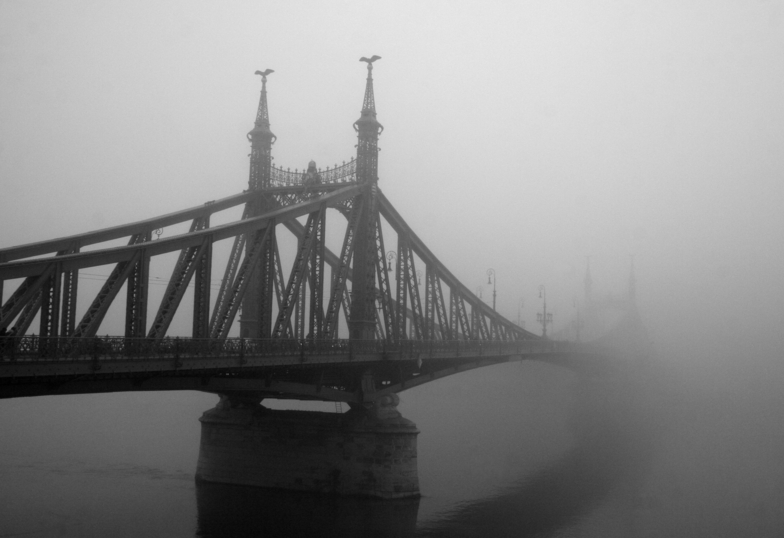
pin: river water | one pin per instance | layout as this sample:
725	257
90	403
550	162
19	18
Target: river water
671	447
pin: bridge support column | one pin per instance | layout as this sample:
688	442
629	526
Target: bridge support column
368	451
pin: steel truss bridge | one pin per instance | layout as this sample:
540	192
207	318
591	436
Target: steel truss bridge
289	345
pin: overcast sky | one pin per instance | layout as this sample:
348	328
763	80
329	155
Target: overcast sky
522	136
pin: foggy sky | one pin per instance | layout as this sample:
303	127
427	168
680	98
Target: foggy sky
522	136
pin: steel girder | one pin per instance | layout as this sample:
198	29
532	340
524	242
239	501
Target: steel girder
230	273
225	316
137	265
51	280
483	313
340	275
435	307
190	258
266	269
363	318
401	275
201	294
136	303
296	278
142	226
433	323
316	280
411	281
280	285
384	291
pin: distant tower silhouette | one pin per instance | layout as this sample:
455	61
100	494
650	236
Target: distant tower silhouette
632	284
588	283
363	302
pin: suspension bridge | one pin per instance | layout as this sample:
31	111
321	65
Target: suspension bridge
353	325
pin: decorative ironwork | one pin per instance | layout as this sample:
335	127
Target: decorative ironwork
345	173
62	349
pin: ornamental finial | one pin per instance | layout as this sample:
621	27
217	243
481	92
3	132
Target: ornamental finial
262	124
368	114
369	104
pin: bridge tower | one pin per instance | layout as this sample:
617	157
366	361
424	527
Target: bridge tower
363	316
256	318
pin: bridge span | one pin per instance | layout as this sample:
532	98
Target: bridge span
402	330
273	368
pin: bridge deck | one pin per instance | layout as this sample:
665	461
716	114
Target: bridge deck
284	367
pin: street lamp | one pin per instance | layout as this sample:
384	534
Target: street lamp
543	317
391	257
491	274
419	277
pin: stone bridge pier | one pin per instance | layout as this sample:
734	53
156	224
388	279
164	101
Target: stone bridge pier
368	451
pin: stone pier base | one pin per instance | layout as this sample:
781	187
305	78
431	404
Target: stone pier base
368	452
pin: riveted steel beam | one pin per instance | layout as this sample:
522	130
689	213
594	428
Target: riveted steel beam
317	275
296	278
341	274
182	274
225	316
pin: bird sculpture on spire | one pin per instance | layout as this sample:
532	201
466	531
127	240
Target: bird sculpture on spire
370	61
264	74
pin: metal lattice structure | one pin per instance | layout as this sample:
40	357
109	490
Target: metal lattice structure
288	308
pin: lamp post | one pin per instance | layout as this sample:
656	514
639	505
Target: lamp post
491	275
391	257
543	317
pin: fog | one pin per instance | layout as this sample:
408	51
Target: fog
524	136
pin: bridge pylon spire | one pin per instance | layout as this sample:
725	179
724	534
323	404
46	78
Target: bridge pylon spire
261	140
368	129
362	323
256	317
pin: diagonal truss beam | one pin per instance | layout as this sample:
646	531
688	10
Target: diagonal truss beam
341	275
92	319
186	265
225	316
483	311
298	271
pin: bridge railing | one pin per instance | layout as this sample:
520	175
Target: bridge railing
345	173
36	348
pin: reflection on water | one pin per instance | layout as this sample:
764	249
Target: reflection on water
237	511
613	448
685	450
